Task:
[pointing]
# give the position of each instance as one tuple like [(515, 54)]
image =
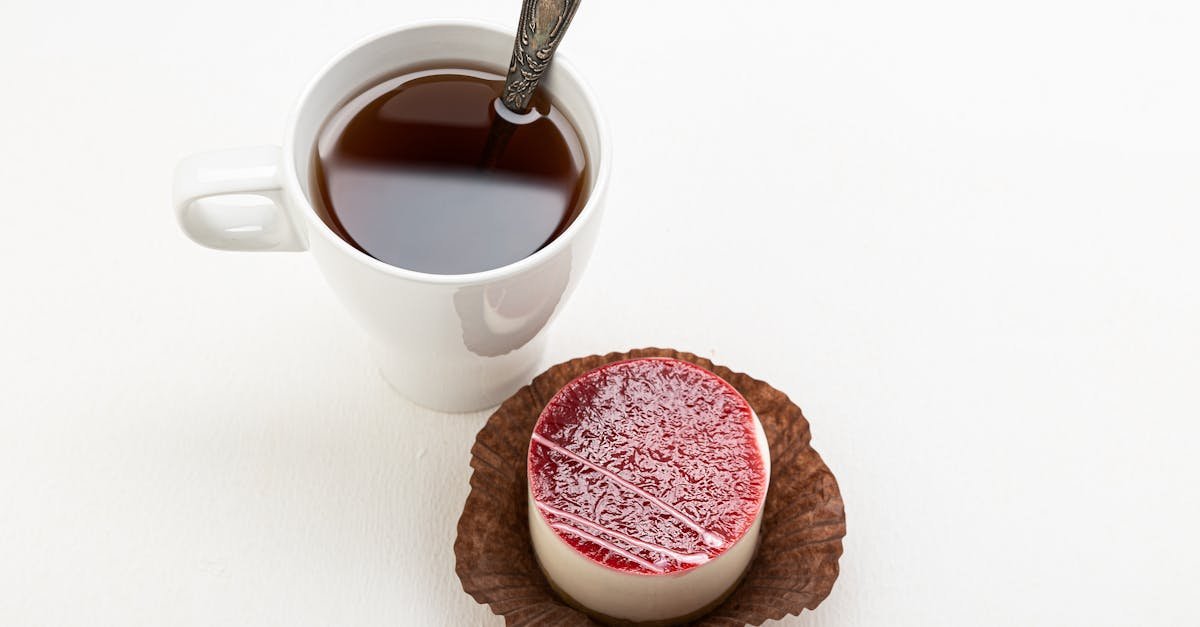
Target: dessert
[(647, 480)]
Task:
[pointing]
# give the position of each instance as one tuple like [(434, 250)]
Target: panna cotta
[(647, 480)]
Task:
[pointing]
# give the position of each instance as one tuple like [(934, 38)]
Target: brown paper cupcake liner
[(799, 544)]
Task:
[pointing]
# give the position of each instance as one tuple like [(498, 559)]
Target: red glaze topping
[(647, 466)]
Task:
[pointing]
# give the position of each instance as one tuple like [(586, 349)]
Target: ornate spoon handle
[(543, 23)]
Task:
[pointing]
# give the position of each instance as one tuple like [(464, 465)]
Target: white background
[(960, 234)]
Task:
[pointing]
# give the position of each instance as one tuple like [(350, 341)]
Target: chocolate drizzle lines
[(710, 538)]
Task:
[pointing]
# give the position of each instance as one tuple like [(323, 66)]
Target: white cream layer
[(642, 597)]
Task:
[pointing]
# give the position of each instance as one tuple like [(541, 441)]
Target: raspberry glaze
[(647, 466)]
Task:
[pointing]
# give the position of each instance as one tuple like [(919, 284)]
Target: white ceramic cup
[(454, 343)]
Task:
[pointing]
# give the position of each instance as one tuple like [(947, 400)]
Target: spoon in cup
[(541, 28)]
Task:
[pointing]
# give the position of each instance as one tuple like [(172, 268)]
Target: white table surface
[(961, 235)]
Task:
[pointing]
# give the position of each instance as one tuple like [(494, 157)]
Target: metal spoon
[(542, 26), (543, 23)]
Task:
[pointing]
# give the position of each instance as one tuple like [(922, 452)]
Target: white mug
[(454, 343)]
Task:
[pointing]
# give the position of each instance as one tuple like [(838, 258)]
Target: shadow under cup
[(451, 342)]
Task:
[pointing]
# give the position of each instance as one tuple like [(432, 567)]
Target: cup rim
[(586, 213)]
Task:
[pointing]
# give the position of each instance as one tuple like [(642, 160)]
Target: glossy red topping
[(648, 466)]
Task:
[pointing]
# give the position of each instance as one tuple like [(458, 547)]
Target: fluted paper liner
[(799, 544)]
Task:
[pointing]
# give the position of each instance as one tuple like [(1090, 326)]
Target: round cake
[(647, 480)]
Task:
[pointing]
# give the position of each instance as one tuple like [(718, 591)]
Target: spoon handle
[(543, 23)]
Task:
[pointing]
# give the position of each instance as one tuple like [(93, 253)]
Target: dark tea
[(402, 172)]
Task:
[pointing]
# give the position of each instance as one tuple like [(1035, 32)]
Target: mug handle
[(233, 200)]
